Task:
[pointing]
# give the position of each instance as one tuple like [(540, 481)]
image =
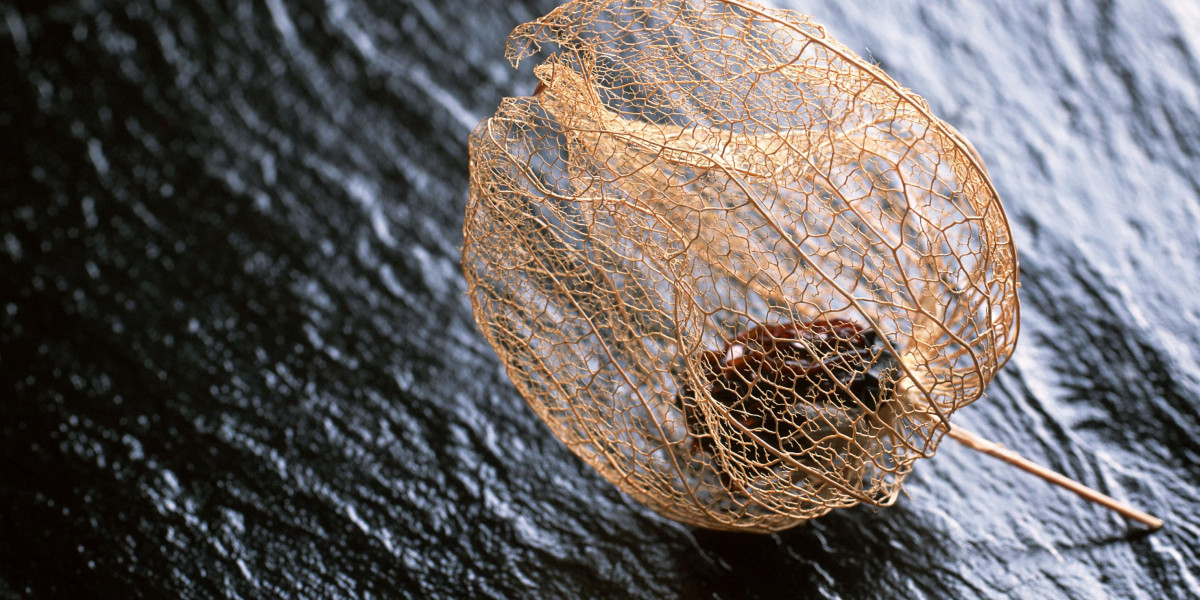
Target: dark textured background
[(236, 358)]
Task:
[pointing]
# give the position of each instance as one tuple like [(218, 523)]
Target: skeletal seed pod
[(737, 269)]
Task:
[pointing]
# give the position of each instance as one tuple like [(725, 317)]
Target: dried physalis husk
[(734, 267)]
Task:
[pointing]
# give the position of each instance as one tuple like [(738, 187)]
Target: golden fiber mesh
[(737, 269)]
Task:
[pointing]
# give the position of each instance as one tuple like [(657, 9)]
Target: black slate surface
[(236, 358)]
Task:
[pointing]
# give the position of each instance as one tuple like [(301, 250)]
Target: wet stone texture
[(236, 358)]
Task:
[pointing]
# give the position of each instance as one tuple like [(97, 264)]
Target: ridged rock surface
[(237, 359)]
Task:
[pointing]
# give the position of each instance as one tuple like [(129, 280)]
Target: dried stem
[(991, 448)]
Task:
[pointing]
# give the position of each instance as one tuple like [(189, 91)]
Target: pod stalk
[(991, 448)]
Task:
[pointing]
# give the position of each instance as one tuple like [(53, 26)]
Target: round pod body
[(737, 269)]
